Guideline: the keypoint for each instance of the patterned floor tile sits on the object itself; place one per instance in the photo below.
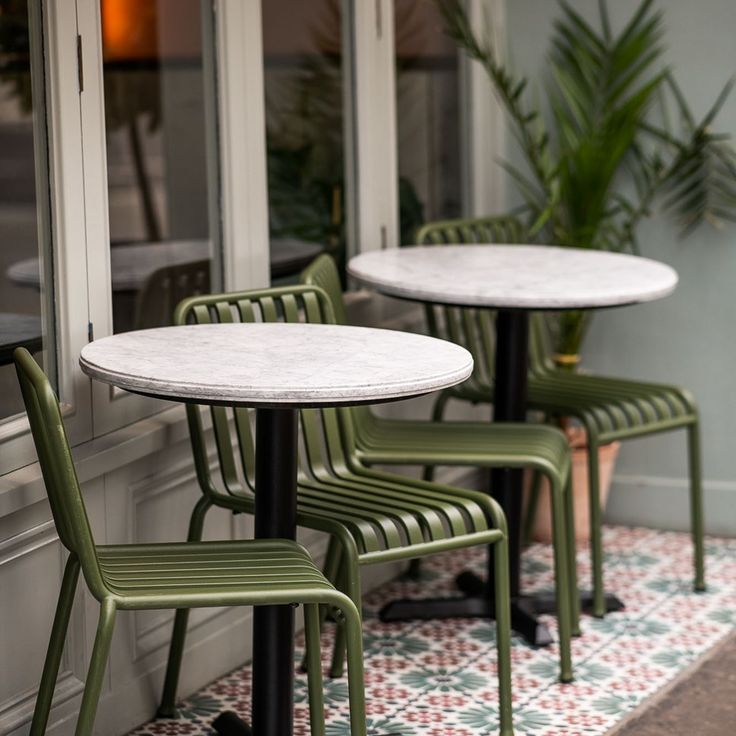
(437, 678)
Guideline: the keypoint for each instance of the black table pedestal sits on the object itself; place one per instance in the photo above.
(272, 710)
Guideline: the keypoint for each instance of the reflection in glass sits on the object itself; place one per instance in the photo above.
(155, 98)
(428, 117)
(304, 128)
(25, 319)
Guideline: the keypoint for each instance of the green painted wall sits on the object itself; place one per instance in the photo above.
(690, 337)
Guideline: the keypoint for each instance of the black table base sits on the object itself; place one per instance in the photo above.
(272, 709)
(523, 613)
(478, 603)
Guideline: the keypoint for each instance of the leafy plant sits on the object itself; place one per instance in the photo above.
(601, 153)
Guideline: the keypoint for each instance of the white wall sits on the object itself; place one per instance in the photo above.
(689, 338)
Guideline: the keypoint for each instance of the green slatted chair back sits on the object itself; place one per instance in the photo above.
(235, 471)
(322, 272)
(57, 467)
(474, 328)
(499, 229)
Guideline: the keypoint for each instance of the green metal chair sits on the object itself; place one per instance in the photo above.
(370, 516)
(381, 441)
(180, 576)
(610, 409)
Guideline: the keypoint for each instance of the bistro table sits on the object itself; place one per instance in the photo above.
(132, 263)
(278, 369)
(515, 280)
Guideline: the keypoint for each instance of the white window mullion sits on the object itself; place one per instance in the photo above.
(112, 408)
(56, 79)
(94, 183)
(242, 143)
(374, 109)
(485, 131)
(67, 212)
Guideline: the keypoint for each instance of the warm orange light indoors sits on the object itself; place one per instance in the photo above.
(129, 29)
(134, 30)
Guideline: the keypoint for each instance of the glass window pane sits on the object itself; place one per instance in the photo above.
(304, 131)
(161, 237)
(428, 117)
(26, 314)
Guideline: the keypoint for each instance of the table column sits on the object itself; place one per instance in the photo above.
(510, 402)
(272, 707)
(273, 626)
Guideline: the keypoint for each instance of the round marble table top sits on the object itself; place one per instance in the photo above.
(276, 364)
(514, 276)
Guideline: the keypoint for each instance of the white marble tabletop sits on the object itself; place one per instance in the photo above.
(276, 364)
(514, 276)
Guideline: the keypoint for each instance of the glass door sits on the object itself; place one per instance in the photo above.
(428, 113)
(161, 157)
(305, 83)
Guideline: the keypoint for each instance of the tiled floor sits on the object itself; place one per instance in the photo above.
(438, 678)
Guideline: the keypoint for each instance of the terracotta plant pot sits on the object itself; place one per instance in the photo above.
(607, 454)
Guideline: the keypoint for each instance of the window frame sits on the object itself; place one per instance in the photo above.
(77, 164)
(237, 180)
(53, 25)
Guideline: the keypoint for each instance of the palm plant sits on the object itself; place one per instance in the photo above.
(601, 154)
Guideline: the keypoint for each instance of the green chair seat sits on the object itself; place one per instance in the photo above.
(176, 576)
(481, 444)
(211, 574)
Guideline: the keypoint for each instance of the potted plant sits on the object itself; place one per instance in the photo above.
(599, 154)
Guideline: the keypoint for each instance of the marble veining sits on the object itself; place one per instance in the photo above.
(514, 276)
(274, 363)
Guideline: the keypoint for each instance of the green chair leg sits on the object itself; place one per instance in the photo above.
(167, 709)
(349, 584)
(531, 509)
(314, 669)
(56, 647)
(356, 686)
(339, 648)
(572, 580)
(96, 672)
(596, 529)
(503, 635)
(438, 412)
(696, 504)
(562, 582)
(330, 570)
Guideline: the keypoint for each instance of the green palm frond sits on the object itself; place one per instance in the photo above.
(595, 165)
